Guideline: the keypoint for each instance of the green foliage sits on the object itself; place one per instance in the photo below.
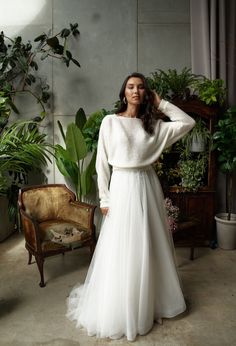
(211, 91)
(184, 85)
(224, 141)
(172, 84)
(199, 131)
(80, 150)
(22, 149)
(91, 128)
(192, 171)
(19, 66)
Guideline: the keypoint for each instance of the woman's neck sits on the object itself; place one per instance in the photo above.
(131, 111)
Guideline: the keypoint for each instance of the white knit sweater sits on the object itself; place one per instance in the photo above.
(124, 143)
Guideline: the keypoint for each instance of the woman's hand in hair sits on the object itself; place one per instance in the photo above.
(157, 99)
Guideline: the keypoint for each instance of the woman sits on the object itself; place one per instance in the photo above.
(132, 280)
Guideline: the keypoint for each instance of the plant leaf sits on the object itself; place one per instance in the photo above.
(67, 167)
(80, 118)
(87, 182)
(61, 130)
(75, 143)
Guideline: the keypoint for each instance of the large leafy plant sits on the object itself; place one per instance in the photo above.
(224, 141)
(76, 161)
(19, 64)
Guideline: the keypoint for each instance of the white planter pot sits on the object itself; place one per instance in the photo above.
(226, 231)
(198, 145)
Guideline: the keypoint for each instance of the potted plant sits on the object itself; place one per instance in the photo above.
(192, 171)
(209, 91)
(186, 85)
(224, 141)
(76, 161)
(197, 139)
(170, 84)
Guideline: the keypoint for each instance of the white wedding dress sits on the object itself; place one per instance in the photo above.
(132, 279)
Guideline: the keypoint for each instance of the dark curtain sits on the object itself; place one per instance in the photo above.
(213, 41)
(213, 50)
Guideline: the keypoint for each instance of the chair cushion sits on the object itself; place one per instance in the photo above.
(63, 232)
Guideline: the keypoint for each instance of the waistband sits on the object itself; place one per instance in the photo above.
(133, 169)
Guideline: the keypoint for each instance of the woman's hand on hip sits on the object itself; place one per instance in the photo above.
(104, 211)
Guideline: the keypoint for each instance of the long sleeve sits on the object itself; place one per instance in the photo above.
(103, 168)
(180, 124)
(124, 143)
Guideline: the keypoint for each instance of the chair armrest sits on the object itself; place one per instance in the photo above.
(80, 213)
(31, 231)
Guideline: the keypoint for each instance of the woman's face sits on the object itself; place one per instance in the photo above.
(134, 91)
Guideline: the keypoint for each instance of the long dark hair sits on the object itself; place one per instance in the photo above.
(147, 111)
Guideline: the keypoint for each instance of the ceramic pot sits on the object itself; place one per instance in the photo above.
(226, 231)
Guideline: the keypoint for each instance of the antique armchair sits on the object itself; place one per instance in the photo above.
(46, 209)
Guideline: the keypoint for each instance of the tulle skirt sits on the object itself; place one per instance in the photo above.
(132, 279)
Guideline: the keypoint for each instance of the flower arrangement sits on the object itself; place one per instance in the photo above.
(172, 214)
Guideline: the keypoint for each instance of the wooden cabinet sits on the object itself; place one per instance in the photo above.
(199, 204)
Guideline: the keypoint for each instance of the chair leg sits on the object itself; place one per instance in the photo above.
(40, 261)
(30, 257)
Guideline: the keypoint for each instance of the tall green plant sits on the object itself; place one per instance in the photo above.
(224, 141)
(76, 161)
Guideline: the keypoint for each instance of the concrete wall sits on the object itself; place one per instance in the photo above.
(117, 37)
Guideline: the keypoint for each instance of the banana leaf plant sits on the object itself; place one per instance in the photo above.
(76, 161)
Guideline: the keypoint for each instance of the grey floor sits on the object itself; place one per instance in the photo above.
(30, 315)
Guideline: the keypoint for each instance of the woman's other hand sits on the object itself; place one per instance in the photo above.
(104, 211)
(157, 99)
